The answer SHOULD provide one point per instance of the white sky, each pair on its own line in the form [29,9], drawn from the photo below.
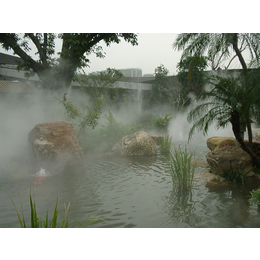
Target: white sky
[153,50]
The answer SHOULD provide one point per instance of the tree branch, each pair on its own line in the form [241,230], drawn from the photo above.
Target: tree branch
[11,41]
[42,51]
[238,52]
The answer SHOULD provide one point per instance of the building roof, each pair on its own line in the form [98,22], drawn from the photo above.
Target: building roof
[9,59]
[16,87]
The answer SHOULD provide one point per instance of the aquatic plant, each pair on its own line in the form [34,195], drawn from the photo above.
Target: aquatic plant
[37,222]
[255,198]
[162,123]
[113,130]
[181,167]
[235,175]
[165,144]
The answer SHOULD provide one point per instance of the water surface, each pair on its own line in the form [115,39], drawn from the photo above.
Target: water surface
[127,193]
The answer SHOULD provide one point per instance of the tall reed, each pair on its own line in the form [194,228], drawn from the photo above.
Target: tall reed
[181,167]
[165,144]
[37,222]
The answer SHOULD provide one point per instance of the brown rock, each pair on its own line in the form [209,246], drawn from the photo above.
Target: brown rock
[139,143]
[55,142]
[215,142]
[229,158]
[200,164]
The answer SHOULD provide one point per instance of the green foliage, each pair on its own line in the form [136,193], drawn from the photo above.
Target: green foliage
[181,167]
[113,131]
[235,175]
[37,222]
[255,198]
[59,72]
[217,104]
[241,104]
[98,84]
[219,47]
[161,123]
[89,118]
[166,91]
[145,119]
[190,74]
[93,115]
[165,144]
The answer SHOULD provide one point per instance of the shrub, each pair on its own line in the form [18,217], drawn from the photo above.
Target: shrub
[162,123]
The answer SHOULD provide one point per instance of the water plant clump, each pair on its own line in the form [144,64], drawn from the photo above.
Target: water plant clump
[255,198]
[161,123]
[41,222]
[236,175]
[165,144]
[181,167]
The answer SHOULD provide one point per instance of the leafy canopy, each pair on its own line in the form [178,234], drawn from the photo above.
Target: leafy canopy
[58,69]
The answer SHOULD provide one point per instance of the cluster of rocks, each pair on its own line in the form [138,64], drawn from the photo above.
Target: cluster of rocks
[57,143]
[224,156]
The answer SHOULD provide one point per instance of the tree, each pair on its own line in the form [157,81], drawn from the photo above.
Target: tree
[97,85]
[59,72]
[190,74]
[225,45]
[228,101]
[165,91]
[219,46]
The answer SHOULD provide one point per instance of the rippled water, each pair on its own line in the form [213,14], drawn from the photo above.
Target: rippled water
[126,192]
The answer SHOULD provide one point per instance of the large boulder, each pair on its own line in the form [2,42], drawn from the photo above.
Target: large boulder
[229,158]
[139,143]
[55,143]
[214,143]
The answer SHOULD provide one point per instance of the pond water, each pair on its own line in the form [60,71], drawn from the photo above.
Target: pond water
[127,193]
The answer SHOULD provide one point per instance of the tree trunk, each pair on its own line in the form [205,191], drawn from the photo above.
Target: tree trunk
[238,52]
[244,66]
[235,121]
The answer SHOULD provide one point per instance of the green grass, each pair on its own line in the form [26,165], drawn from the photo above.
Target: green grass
[235,175]
[255,198]
[165,144]
[181,168]
[37,222]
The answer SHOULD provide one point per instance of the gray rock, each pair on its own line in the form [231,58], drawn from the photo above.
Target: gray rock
[137,144]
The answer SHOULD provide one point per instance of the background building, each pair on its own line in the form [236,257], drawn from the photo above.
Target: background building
[132,72]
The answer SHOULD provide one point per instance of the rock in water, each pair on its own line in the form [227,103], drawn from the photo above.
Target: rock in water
[229,158]
[215,142]
[139,143]
[55,142]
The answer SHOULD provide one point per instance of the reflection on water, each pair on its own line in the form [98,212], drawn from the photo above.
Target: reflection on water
[126,192]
